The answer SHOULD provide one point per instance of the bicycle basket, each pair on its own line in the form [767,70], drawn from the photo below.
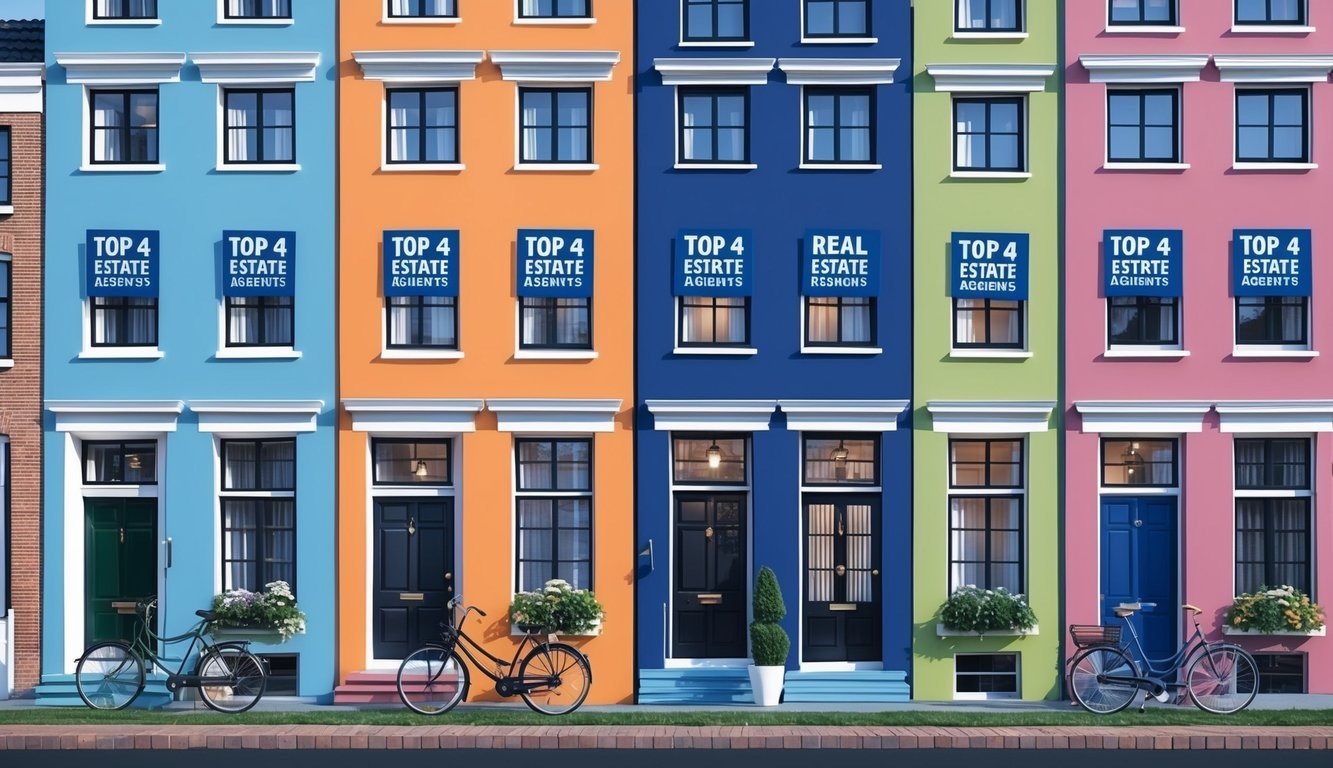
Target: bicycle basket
[1088,635]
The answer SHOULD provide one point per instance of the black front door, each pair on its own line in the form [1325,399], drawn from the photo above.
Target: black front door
[120,565]
[711,574]
[414,573]
[842,584]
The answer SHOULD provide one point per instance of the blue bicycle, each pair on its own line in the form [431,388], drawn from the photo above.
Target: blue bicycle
[1104,678]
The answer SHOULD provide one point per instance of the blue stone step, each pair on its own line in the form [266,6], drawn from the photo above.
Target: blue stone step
[868,686]
[60,691]
[695,686]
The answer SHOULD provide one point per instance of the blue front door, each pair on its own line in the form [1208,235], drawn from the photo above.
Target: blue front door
[1139,565]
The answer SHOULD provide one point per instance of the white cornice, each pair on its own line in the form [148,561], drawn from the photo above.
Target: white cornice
[843,415]
[555,66]
[21,86]
[118,68]
[419,66]
[554,414]
[256,66]
[990,78]
[1142,417]
[1276,416]
[985,417]
[257,416]
[388,416]
[711,415]
[1144,68]
[839,71]
[115,416]
[1274,68]
[697,71]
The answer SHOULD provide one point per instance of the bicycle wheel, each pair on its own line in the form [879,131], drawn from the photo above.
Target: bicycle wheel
[568,676]
[432,680]
[109,676]
[1223,679]
[1089,687]
[236,679]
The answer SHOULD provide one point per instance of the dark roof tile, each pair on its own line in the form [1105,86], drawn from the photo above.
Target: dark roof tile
[22,40]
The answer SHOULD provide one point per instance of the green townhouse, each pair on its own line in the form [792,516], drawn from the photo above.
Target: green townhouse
[986,344]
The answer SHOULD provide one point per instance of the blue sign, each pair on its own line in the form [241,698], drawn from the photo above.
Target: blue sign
[713,262]
[555,263]
[122,262]
[420,262]
[840,262]
[258,263]
[988,265]
[1271,262]
[1143,262]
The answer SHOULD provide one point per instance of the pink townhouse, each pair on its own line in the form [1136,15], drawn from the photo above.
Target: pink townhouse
[1199,318]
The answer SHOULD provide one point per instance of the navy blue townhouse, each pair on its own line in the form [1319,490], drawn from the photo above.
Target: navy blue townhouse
[774,337]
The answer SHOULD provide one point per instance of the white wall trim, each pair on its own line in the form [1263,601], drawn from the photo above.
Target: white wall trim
[1274,68]
[256,67]
[409,416]
[985,417]
[514,414]
[1144,68]
[843,415]
[117,68]
[257,416]
[711,415]
[1276,416]
[21,86]
[556,66]
[990,78]
[115,416]
[696,71]
[419,66]
[839,71]
[1142,417]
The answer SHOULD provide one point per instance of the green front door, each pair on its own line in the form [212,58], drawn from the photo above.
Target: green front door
[120,539]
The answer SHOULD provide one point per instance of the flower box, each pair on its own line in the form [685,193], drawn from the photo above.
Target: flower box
[265,635]
[943,631]
[1321,632]
[571,612]
[516,631]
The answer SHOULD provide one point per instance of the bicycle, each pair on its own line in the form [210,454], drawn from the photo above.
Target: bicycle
[230,679]
[1104,678]
[553,678]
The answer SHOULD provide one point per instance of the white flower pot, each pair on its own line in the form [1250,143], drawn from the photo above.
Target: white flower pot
[767,684]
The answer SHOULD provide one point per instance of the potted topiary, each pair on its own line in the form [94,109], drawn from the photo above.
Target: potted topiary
[769,643]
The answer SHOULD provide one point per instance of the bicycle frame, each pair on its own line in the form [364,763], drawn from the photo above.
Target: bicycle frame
[146,641]
[1176,661]
[506,684]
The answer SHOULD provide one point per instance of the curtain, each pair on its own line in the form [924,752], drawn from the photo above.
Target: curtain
[987,14]
[860,559]
[242,128]
[856,322]
[823,320]
[820,542]
[572,131]
[259,8]
[967,541]
[1293,318]
[239,543]
[108,113]
[854,117]
[278,321]
[243,323]
[1005,547]
[537,120]
[535,520]
[239,466]
[571,322]
[280,544]
[279,135]
[404,127]
[278,465]
[969,320]
[534,465]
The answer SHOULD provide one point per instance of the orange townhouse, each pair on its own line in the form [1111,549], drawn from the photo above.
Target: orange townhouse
[486,326]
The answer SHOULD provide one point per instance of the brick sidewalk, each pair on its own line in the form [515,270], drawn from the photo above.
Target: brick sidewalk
[50,737]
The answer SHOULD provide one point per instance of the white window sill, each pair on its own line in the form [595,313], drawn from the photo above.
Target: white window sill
[421,354]
[548,167]
[841,167]
[255,22]
[259,168]
[555,354]
[989,354]
[943,631]
[1274,166]
[1271,29]
[990,175]
[842,350]
[716,44]
[1146,166]
[121,353]
[957,35]
[124,22]
[7,363]
[257,353]
[735,351]
[839,40]
[716,166]
[440,20]
[1129,353]
[422,167]
[557,22]
[6,210]
[1144,29]
[1274,354]
[123,168]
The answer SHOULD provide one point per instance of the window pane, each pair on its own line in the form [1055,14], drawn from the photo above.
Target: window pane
[691,460]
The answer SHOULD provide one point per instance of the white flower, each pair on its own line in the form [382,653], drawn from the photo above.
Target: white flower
[1283,603]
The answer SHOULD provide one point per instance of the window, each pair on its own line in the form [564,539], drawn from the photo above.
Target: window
[124,9]
[1143,13]
[119,463]
[993,323]
[6,310]
[6,169]
[260,126]
[550,323]
[1284,12]
[1271,125]
[260,321]
[124,127]
[423,125]
[1141,462]
[1272,531]
[283,673]
[713,125]
[838,460]
[407,9]
[554,492]
[988,134]
[1142,126]
[986,514]
[839,321]
[258,513]
[709,460]
[1281,672]
[986,675]
[259,9]
[714,321]
[988,15]
[554,9]
[423,322]
[124,321]
[556,125]
[1272,320]
[412,462]
[837,18]
[1144,320]
[716,20]
[839,125]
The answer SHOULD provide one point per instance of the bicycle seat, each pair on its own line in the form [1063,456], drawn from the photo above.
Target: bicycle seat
[1125,610]
[206,615]
[1191,608]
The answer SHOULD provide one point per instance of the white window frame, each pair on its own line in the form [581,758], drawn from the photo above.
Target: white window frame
[87,165]
[1145,351]
[838,349]
[1312,532]
[1272,29]
[89,352]
[1128,87]
[973,34]
[805,163]
[1146,29]
[225,352]
[990,696]
[218,479]
[1023,173]
[868,39]
[1021,493]
[1245,165]
[258,21]
[681,42]
[421,167]
[984,353]
[1293,351]
[679,350]
[515,495]
[91,21]
[553,167]
[559,21]
[385,18]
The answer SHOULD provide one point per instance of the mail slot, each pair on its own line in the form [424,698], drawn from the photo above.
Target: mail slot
[842,606]
[412,597]
[710,598]
[124,607]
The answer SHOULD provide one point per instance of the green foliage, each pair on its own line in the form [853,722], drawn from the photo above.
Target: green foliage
[557,607]
[768,605]
[1284,609]
[274,609]
[769,643]
[971,609]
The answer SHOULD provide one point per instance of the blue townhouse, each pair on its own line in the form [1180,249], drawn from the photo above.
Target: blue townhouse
[774,343]
[189,388]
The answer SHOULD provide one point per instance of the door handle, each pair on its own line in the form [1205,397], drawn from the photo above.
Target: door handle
[169,551]
[411,526]
[449,576]
[874,572]
[841,570]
